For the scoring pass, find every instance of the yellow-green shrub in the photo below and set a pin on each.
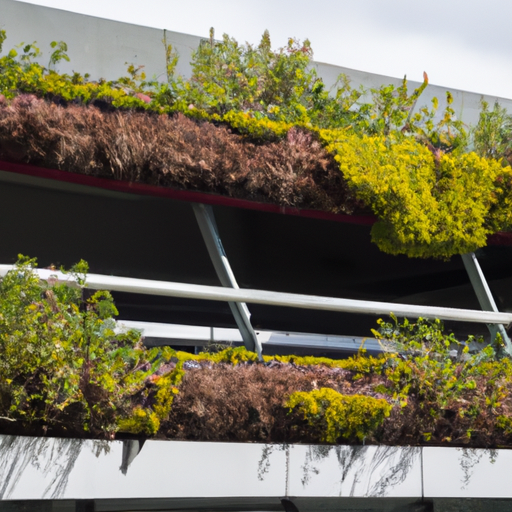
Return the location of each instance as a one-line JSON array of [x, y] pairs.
[[147, 420], [262, 128], [141, 421], [504, 423], [428, 205], [339, 416]]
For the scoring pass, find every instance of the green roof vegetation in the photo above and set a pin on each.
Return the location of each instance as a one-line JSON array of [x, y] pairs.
[[66, 370], [438, 187], [245, 117]]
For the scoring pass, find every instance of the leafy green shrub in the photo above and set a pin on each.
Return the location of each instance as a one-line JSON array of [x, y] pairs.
[[64, 367], [438, 374], [492, 136], [228, 76], [423, 361], [391, 109], [337, 416]]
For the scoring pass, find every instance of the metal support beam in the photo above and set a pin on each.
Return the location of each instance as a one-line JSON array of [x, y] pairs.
[[208, 227], [484, 296]]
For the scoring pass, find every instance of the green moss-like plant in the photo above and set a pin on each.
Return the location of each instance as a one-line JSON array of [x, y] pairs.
[[360, 364], [337, 416], [141, 421]]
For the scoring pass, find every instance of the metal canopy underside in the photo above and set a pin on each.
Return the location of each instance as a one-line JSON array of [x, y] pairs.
[[156, 238]]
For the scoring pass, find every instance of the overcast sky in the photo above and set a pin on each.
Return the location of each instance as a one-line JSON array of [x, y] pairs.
[[463, 44]]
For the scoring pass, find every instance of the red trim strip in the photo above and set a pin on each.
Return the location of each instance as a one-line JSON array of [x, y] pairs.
[[179, 195], [502, 238]]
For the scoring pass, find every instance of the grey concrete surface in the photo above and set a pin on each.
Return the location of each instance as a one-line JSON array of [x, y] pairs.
[[103, 48]]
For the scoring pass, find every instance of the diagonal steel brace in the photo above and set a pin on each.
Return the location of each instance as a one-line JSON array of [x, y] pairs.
[[206, 221], [484, 296]]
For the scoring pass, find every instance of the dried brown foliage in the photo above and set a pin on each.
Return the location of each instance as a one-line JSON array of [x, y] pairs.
[[174, 152], [220, 402], [245, 402], [407, 427]]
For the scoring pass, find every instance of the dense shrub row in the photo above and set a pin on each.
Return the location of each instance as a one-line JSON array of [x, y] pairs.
[[67, 370], [287, 135]]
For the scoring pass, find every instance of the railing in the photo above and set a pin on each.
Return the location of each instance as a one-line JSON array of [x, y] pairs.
[[216, 293]]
